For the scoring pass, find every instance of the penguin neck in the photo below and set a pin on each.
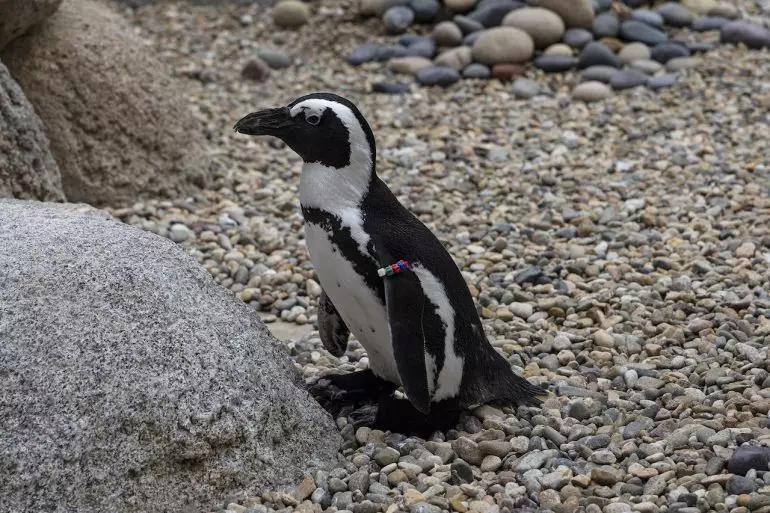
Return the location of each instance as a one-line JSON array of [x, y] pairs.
[[336, 190]]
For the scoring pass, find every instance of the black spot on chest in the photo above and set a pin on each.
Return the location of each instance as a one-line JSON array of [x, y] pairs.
[[341, 237]]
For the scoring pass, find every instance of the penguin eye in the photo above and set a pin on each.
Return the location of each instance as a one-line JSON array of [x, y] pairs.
[[313, 119]]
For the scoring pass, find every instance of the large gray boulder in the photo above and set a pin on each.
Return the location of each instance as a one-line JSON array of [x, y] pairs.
[[118, 122], [27, 168], [17, 16], [131, 381]]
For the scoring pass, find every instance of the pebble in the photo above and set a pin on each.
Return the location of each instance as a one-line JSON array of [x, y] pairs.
[[255, 70], [577, 37], [409, 65], [646, 66], [746, 33], [597, 54], [626, 79], [425, 11], [455, 58], [397, 19], [180, 233], [559, 49], [290, 14], [477, 70], [591, 91], [633, 30], [682, 63], [651, 18], [492, 15], [599, 73], [676, 14], [708, 23], [749, 457], [606, 24], [662, 81], [466, 24], [447, 33], [664, 52], [555, 63], [525, 89], [437, 76], [575, 13], [543, 26], [503, 45], [634, 52], [275, 58]]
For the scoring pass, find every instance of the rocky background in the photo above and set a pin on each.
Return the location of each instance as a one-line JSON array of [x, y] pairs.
[[609, 211]]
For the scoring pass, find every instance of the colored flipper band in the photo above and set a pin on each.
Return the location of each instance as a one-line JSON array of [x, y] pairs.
[[393, 269]]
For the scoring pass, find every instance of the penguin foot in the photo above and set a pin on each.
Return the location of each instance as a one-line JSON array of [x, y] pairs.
[[334, 391], [398, 415]]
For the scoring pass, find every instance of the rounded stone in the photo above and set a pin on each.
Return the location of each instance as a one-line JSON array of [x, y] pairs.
[[503, 45], [371, 7], [492, 15], [574, 13], [459, 5], [365, 53], [646, 66], [591, 91], [599, 74], [626, 79], [597, 54], [525, 89], [477, 70], [675, 14], [577, 37], [424, 47], [255, 70], [634, 51], [466, 24], [559, 49], [606, 25], [447, 33], [455, 58], [633, 30], [437, 76], [682, 63], [543, 26], [699, 6], [664, 52], [425, 11], [276, 59], [555, 63], [651, 18], [507, 71], [290, 14], [397, 19], [709, 23], [746, 33], [471, 38], [409, 65], [662, 81], [725, 10]]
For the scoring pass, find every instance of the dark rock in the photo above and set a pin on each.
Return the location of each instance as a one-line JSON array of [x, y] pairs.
[[709, 23], [389, 88], [651, 18], [492, 15], [425, 11], [397, 19], [423, 47], [255, 70], [626, 79], [555, 63], [531, 275], [738, 485], [577, 37], [699, 47], [385, 53], [606, 25], [749, 34], [664, 52], [507, 71], [597, 54], [466, 24], [676, 15], [115, 352], [410, 39], [367, 52], [662, 81], [633, 30], [749, 457], [477, 70], [440, 76], [461, 472], [276, 59]]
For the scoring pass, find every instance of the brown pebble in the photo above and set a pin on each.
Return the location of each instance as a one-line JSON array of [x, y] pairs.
[[508, 71]]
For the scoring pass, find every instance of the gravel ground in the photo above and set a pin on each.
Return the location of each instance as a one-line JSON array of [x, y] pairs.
[[619, 253]]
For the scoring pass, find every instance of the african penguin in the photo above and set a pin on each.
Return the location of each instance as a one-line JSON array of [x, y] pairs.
[[420, 328]]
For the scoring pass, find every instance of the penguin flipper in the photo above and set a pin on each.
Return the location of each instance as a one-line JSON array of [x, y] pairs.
[[404, 299], [332, 329]]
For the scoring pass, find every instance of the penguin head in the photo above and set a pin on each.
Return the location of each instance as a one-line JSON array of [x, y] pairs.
[[322, 128]]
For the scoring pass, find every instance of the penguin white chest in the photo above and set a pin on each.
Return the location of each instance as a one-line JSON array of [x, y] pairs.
[[357, 304]]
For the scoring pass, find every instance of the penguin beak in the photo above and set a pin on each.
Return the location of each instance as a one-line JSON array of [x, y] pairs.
[[265, 122]]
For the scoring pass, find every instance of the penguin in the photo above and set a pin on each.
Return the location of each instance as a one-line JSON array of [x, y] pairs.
[[387, 279]]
